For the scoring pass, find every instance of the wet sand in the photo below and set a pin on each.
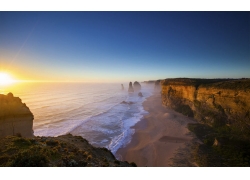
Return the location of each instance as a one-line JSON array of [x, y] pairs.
[[157, 136]]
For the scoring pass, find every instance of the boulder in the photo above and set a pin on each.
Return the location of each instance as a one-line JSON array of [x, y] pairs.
[[137, 86], [130, 88]]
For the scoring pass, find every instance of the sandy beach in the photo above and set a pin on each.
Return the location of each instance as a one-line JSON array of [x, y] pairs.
[[157, 136]]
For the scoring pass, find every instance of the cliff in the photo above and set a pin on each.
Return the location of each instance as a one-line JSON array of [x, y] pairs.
[[15, 117], [216, 102], [61, 151], [20, 148]]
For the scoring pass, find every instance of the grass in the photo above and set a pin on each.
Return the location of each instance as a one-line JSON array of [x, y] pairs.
[[59, 151]]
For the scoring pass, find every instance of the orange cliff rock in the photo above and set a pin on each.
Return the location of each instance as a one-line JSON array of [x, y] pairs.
[[15, 117], [215, 102]]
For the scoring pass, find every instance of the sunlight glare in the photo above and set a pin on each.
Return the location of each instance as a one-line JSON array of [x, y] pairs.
[[5, 79]]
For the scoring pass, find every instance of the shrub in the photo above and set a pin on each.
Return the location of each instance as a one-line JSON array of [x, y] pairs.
[[29, 158]]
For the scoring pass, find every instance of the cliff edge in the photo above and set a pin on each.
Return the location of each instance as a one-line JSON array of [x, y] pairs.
[[61, 151], [15, 117], [216, 102], [221, 106]]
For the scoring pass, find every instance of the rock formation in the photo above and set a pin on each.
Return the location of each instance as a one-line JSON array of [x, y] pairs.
[[215, 102], [122, 86], [140, 94], [137, 86], [15, 117], [130, 88], [125, 102]]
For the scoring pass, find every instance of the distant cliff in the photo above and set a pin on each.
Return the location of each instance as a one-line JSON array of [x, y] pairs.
[[216, 102], [15, 117]]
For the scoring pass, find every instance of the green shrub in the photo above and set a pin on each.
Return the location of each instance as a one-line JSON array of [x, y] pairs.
[[29, 158]]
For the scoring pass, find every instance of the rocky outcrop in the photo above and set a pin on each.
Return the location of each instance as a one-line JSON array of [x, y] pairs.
[[122, 86], [125, 102], [15, 117], [130, 88], [140, 94], [216, 102], [137, 86]]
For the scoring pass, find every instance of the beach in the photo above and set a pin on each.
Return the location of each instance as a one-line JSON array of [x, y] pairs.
[[158, 135]]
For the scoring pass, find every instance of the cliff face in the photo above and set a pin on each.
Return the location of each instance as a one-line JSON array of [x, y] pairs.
[[210, 101], [15, 117]]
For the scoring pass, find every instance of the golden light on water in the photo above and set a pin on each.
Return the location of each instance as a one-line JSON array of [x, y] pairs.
[[6, 79]]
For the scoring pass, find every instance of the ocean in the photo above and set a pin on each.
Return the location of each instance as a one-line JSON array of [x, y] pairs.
[[94, 111]]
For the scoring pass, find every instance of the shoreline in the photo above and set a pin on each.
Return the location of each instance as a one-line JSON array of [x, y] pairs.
[[158, 135]]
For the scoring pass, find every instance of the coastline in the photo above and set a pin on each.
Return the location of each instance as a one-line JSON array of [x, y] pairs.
[[158, 135]]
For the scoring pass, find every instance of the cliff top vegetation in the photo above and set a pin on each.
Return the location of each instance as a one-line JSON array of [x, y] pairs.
[[237, 84], [61, 151]]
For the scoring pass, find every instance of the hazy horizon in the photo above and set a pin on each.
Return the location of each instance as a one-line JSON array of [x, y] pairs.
[[103, 47]]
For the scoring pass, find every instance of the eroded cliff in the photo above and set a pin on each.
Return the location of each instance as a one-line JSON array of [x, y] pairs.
[[216, 102], [15, 117]]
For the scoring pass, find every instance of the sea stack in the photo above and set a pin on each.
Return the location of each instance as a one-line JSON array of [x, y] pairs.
[[140, 94], [122, 86], [15, 117], [137, 86], [130, 88]]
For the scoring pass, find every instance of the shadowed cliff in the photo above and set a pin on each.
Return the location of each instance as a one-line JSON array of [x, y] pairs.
[[15, 117]]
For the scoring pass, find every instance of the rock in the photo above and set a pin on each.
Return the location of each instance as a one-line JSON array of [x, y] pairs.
[[216, 142], [10, 95], [140, 94], [124, 102], [122, 86], [137, 86], [215, 102], [15, 117], [130, 88]]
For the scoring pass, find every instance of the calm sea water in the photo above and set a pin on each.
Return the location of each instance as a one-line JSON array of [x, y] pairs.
[[93, 111]]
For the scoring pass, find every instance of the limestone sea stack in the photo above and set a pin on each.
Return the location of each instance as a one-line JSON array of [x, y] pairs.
[[130, 88], [137, 86], [15, 117], [140, 94], [122, 86]]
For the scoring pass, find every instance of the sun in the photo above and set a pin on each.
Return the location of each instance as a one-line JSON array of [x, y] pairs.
[[5, 79]]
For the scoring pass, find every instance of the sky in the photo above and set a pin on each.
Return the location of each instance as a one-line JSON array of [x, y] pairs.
[[124, 46]]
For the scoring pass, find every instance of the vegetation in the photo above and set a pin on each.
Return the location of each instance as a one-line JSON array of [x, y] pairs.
[[222, 146], [67, 150]]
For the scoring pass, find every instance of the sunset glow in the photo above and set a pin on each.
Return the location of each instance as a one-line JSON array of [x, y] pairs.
[[5, 79]]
